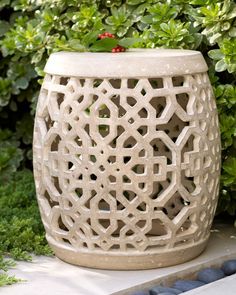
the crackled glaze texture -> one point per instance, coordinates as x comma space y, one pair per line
127, 168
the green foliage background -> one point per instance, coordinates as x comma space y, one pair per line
30, 30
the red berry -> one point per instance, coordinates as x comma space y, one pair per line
106, 35
118, 48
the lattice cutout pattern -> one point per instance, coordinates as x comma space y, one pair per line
127, 164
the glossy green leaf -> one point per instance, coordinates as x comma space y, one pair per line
129, 42
90, 38
4, 27
221, 66
216, 54
105, 44
230, 167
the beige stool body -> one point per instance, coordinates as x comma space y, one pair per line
127, 157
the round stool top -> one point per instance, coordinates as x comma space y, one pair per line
132, 63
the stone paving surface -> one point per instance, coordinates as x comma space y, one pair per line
225, 286
50, 276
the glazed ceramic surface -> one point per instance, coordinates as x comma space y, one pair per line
127, 157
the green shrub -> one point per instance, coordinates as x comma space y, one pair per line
31, 29
21, 229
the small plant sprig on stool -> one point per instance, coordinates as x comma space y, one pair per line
108, 42
98, 42
116, 49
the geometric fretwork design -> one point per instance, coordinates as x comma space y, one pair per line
127, 164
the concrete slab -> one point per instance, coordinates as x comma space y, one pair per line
226, 286
50, 276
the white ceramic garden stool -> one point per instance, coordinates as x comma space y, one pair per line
127, 157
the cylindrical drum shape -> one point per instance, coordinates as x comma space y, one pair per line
127, 157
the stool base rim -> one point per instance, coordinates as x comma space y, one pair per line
127, 261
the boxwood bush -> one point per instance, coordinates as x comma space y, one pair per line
31, 29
